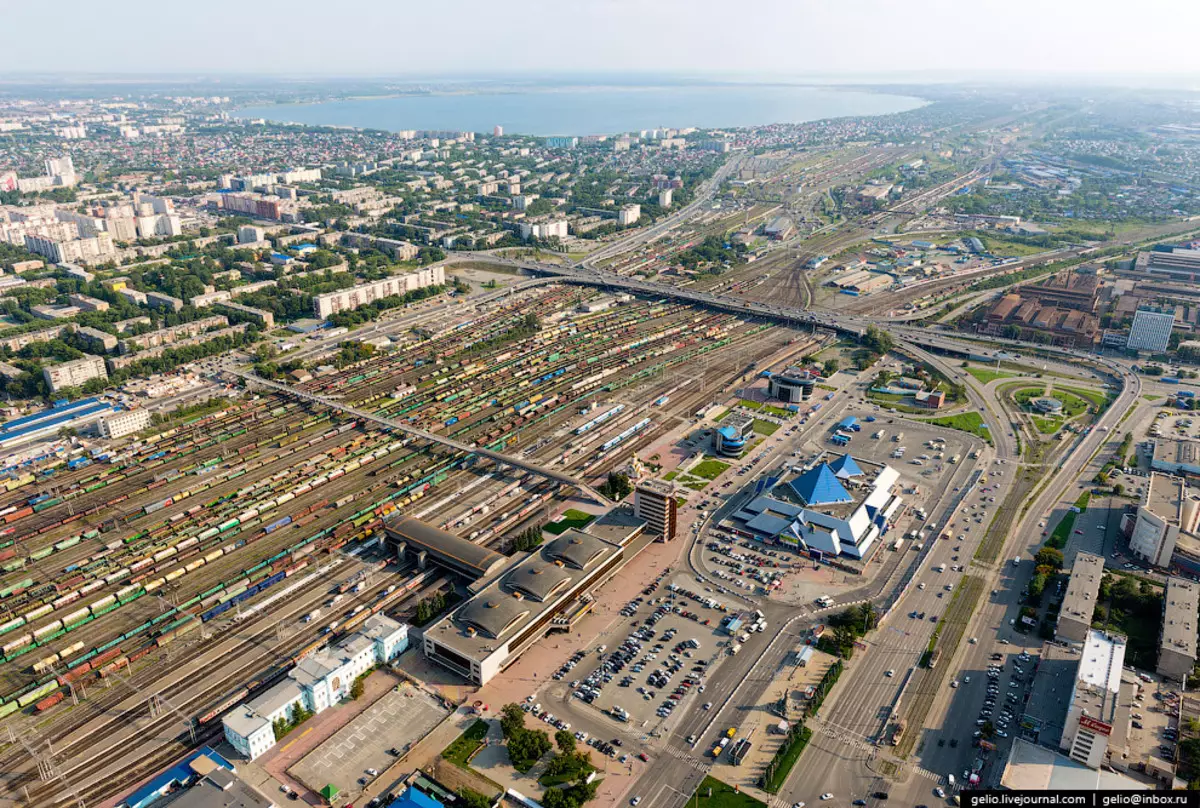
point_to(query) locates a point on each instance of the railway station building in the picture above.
(316, 682)
(406, 535)
(548, 590)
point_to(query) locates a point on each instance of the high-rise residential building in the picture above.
(544, 230)
(75, 373)
(562, 142)
(498, 130)
(629, 215)
(654, 501)
(1151, 330)
(664, 198)
(249, 234)
(95, 250)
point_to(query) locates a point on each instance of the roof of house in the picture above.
(845, 467)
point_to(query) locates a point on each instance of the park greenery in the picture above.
(845, 627)
(525, 746)
(528, 539)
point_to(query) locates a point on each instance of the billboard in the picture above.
(1092, 725)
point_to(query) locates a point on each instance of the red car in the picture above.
(642, 757)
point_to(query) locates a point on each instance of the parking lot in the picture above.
(371, 742)
(656, 665)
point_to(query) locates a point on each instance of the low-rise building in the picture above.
(348, 299)
(120, 423)
(97, 339)
(1075, 617)
(86, 303)
(794, 385)
(1177, 642)
(261, 316)
(157, 300)
(317, 682)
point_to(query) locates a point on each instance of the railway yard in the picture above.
(202, 547)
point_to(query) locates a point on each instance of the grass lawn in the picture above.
(722, 415)
(986, 375)
(787, 759)
(1151, 397)
(778, 412)
(1047, 426)
(459, 753)
(571, 518)
(723, 796)
(696, 485)
(971, 422)
(1072, 404)
(750, 405)
(670, 475)
(1062, 531)
(708, 469)
(765, 428)
(1099, 399)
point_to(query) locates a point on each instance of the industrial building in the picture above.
(1177, 642)
(316, 682)
(729, 439)
(654, 501)
(203, 779)
(1166, 509)
(1175, 456)
(1175, 263)
(365, 293)
(833, 508)
(793, 385)
(546, 591)
(47, 423)
(1075, 617)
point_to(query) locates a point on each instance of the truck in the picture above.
(899, 436)
(878, 434)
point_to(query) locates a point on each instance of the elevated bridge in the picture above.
(392, 424)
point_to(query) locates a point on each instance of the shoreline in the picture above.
(265, 111)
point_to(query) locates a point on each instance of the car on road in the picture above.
(890, 673)
(940, 792)
(635, 800)
(828, 795)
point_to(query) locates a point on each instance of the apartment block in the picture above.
(356, 296)
(1177, 643)
(1075, 617)
(73, 374)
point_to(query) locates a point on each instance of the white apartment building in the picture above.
(348, 299)
(119, 423)
(544, 230)
(629, 215)
(1095, 701)
(73, 374)
(94, 250)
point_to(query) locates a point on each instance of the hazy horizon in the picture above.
(870, 41)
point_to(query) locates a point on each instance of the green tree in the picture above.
(1049, 557)
(829, 367)
(565, 741)
(473, 799)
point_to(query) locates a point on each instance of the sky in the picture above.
(800, 39)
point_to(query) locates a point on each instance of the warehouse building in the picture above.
(1075, 617)
(548, 590)
(1177, 643)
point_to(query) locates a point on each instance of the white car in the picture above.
(890, 673)
(921, 585)
(940, 792)
(798, 805)
(828, 795)
(953, 683)
(635, 800)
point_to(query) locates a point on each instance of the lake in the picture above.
(591, 110)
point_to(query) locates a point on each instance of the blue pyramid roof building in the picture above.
(819, 486)
(845, 467)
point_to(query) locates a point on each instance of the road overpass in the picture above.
(409, 429)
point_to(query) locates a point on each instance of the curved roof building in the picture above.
(404, 533)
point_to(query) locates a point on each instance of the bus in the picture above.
(934, 656)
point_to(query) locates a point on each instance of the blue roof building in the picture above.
(415, 799)
(174, 777)
(820, 486)
(845, 468)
